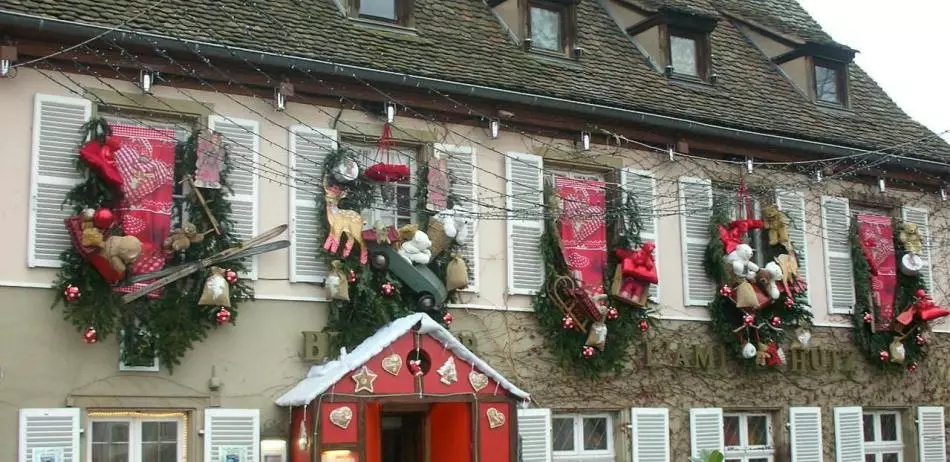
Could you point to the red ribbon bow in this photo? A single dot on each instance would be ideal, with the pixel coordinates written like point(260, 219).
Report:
point(925, 308)
point(639, 264)
point(731, 235)
point(101, 158)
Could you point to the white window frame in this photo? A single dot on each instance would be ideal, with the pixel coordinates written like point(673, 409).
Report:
point(879, 447)
point(135, 434)
point(579, 450)
point(743, 452)
point(364, 161)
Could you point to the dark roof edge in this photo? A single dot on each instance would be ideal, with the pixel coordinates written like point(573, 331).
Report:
point(327, 67)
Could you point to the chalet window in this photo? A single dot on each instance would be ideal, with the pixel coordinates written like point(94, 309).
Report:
point(882, 436)
point(549, 26)
point(830, 84)
point(687, 53)
point(581, 435)
point(747, 437)
point(136, 439)
point(389, 11)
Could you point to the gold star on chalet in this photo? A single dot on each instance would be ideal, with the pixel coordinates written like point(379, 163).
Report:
point(364, 380)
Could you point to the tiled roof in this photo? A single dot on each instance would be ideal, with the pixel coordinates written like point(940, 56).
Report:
point(462, 40)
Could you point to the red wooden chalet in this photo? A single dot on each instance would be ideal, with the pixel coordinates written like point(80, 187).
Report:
point(411, 392)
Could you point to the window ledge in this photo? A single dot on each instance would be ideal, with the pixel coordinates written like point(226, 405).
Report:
point(380, 26)
point(555, 58)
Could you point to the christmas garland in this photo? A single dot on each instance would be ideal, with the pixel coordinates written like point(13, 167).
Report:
point(754, 335)
point(168, 326)
point(375, 297)
point(626, 323)
point(884, 348)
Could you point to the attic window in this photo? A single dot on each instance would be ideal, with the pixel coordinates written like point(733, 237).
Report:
point(386, 11)
point(830, 84)
point(686, 52)
point(550, 26)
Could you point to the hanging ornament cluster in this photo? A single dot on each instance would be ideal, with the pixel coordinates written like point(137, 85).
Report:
point(223, 316)
point(385, 171)
point(90, 336)
point(72, 293)
point(387, 289)
point(447, 319)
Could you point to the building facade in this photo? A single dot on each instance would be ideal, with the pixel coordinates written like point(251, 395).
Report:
point(678, 104)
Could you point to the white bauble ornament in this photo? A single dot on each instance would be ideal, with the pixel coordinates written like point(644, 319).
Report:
point(748, 351)
point(346, 171)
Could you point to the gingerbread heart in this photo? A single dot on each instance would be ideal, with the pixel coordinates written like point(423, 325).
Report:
point(478, 380)
point(341, 417)
point(392, 364)
point(495, 418)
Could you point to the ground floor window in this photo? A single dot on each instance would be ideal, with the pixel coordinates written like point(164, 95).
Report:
point(882, 437)
point(582, 435)
point(134, 437)
point(748, 437)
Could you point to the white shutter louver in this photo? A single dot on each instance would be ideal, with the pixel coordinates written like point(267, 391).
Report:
point(836, 226)
point(52, 432)
point(463, 178)
point(705, 430)
point(651, 434)
point(805, 434)
point(309, 149)
point(920, 218)
point(56, 140)
point(232, 431)
point(849, 434)
point(696, 201)
point(534, 430)
point(525, 203)
point(931, 434)
point(642, 187)
point(242, 138)
point(793, 204)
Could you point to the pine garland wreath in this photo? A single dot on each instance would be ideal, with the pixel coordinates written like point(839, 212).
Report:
point(873, 343)
point(169, 326)
point(729, 323)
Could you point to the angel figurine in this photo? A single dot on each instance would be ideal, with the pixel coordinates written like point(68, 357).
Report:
point(210, 162)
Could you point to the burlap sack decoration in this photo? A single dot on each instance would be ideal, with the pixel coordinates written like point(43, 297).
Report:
point(440, 241)
point(337, 284)
point(597, 337)
point(216, 291)
point(456, 274)
point(746, 297)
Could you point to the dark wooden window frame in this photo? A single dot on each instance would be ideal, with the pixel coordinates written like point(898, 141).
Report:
point(701, 39)
point(403, 13)
point(568, 23)
point(842, 80)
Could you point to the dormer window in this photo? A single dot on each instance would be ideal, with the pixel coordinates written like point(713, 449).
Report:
point(687, 54)
point(830, 83)
point(676, 42)
point(387, 11)
point(550, 26)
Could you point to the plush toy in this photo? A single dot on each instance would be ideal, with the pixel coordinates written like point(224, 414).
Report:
point(762, 355)
point(740, 260)
point(418, 249)
point(181, 238)
point(408, 232)
point(768, 277)
point(382, 233)
point(911, 238)
point(91, 236)
point(121, 251)
point(777, 223)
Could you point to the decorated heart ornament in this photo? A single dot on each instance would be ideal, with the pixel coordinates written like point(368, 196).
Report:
point(392, 364)
point(495, 418)
point(478, 380)
point(341, 417)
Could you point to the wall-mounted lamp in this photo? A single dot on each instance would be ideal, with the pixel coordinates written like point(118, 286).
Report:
point(146, 80)
point(714, 78)
point(585, 141)
point(577, 52)
point(818, 177)
point(748, 165)
point(281, 93)
point(669, 70)
point(526, 43)
point(494, 126)
point(882, 185)
point(8, 55)
point(390, 112)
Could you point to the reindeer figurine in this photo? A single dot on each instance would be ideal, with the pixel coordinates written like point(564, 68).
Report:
point(342, 222)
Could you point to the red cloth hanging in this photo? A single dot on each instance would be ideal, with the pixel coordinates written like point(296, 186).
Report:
point(385, 171)
point(877, 242)
point(584, 230)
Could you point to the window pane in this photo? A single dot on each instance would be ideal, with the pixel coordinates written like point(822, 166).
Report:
point(826, 84)
point(545, 29)
point(758, 430)
point(150, 431)
point(889, 427)
point(870, 458)
point(683, 55)
point(563, 434)
point(889, 457)
point(868, 427)
point(595, 434)
point(383, 9)
point(730, 428)
point(159, 452)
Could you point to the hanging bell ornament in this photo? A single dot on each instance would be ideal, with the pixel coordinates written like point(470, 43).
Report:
point(89, 336)
point(71, 293)
point(223, 316)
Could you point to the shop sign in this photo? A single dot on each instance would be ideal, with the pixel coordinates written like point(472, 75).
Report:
point(708, 357)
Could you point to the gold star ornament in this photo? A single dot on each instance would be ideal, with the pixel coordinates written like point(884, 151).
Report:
point(364, 380)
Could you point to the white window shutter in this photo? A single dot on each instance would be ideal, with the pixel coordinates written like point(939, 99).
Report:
point(232, 430)
point(56, 140)
point(534, 429)
point(651, 434)
point(309, 148)
point(463, 175)
point(793, 204)
point(849, 434)
point(931, 434)
point(805, 434)
point(705, 430)
point(922, 220)
point(641, 186)
point(49, 432)
point(525, 203)
point(242, 138)
point(836, 234)
point(695, 201)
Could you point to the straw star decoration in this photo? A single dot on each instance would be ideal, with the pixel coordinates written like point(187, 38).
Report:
point(364, 380)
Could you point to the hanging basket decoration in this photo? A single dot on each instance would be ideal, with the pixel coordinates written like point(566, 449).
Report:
point(385, 171)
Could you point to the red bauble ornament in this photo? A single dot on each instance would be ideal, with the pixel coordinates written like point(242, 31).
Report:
point(71, 293)
point(231, 276)
point(868, 318)
point(415, 367)
point(725, 291)
point(352, 277)
point(912, 367)
point(776, 321)
point(588, 352)
point(447, 319)
point(885, 356)
point(921, 340)
point(644, 326)
point(103, 218)
point(612, 313)
point(387, 289)
point(223, 316)
point(789, 303)
point(89, 336)
point(567, 322)
point(748, 320)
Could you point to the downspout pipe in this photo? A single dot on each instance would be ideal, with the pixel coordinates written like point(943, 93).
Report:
point(279, 60)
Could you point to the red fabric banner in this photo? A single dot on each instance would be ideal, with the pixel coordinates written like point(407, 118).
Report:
point(877, 242)
point(584, 230)
point(146, 162)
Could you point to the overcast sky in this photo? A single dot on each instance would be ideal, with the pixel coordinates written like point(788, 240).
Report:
point(903, 45)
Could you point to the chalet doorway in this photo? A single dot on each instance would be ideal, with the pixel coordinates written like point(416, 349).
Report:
point(403, 437)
